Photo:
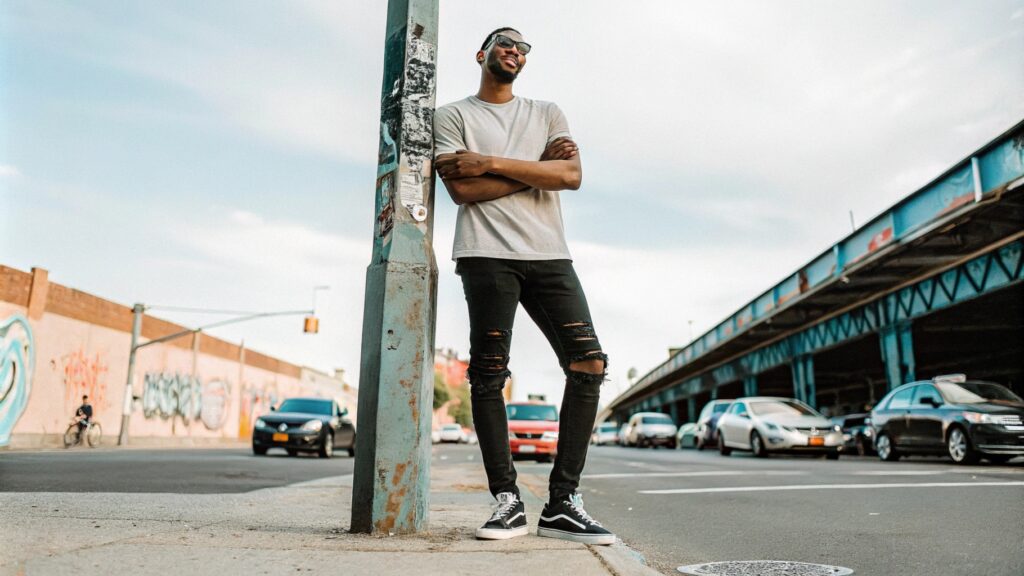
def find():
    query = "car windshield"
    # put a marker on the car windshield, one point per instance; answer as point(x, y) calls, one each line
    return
point(655, 420)
point(306, 406)
point(780, 408)
point(532, 412)
point(606, 427)
point(452, 427)
point(976, 392)
point(719, 408)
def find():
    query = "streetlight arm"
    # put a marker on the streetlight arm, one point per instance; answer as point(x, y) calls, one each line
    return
point(222, 323)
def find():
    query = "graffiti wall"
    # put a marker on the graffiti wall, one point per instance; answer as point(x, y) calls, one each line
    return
point(74, 344)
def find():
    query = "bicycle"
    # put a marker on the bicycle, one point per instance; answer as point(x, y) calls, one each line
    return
point(73, 435)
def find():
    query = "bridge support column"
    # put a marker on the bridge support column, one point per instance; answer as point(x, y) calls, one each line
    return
point(803, 380)
point(673, 411)
point(750, 386)
point(691, 409)
point(714, 393)
point(898, 353)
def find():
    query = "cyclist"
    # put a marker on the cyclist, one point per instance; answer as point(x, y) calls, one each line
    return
point(84, 416)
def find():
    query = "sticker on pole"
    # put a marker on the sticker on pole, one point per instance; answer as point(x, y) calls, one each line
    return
point(763, 568)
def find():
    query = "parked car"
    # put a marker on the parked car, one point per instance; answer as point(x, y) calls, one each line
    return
point(452, 433)
point(605, 433)
point(965, 419)
point(532, 430)
point(763, 424)
point(707, 423)
point(623, 433)
point(305, 425)
point(651, 429)
point(686, 437)
point(858, 437)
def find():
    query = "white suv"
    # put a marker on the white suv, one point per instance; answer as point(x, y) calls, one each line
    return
point(651, 429)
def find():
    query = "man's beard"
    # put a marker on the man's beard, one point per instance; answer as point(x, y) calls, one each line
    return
point(502, 75)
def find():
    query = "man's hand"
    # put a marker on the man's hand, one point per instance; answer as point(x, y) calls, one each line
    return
point(560, 149)
point(462, 164)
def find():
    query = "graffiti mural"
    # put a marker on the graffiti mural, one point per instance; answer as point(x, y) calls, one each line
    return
point(254, 403)
point(167, 395)
point(17, 361)
point(216, 397)
point(84, 375)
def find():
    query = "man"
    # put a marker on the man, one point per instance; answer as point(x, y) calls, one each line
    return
point(84, 415)
point(503, 160)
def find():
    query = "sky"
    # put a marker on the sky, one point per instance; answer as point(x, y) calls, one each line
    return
point(223, 154)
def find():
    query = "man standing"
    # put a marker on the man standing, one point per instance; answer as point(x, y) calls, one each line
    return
point(503, 160)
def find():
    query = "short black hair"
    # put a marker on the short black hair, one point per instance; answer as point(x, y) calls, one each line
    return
point(498, 31)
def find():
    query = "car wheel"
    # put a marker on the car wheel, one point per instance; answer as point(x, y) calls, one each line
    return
point(999, 458)
point(259, 450)
point(352, 448)
point(886, 451)
point(700, 444)
point(722, 448)
point(327, 446)
point(757, 445)
point(832, 455)
point(292, 451)
point(959, 447)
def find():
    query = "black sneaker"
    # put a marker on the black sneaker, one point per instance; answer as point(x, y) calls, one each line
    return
point(566, 519)
point(508, 520)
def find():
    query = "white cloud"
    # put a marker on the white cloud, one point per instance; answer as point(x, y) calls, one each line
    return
point(9, 171)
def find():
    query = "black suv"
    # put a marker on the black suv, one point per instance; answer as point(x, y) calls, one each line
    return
point(967, 420)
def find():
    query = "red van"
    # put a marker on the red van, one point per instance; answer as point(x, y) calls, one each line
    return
point(533, 430)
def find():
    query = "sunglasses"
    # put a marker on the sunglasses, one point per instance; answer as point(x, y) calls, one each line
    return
point(506, 42)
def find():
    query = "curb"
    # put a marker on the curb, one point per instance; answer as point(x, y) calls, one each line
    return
point(622, 560)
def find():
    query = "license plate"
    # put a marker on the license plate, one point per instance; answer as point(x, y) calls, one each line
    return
point(527, 448)
point(816, 441)
point(280, 437)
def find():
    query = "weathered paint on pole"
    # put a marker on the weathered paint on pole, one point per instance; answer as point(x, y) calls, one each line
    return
point(126, 412)
point(392, 470)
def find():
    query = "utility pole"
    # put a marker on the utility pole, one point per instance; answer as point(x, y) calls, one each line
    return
point(391, 481)
point(126, 412)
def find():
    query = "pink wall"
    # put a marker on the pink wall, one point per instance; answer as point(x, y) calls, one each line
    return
point(73, 357)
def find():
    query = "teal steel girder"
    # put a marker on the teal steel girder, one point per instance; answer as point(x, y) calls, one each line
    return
point(889, 314)
point(982, 177)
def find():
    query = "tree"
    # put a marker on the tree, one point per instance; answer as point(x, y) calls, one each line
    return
point(460, 409)
point(440, 391)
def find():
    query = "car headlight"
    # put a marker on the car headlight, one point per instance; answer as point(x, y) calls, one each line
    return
point(837, 428)
point(260, 423)
point(771, 426)
point(549, 436)
point(979, 418)
point(313, 426)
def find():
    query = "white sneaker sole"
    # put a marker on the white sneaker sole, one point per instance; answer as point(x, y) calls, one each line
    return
point(495, 534)
point(597, 539)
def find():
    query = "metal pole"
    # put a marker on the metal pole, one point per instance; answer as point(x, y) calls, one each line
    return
point(126, 412)
point(391, 481)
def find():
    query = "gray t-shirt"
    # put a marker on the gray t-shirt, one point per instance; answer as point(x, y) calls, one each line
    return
point(526, 225)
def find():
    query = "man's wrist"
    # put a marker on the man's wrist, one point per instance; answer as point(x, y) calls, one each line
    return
point(494, 165)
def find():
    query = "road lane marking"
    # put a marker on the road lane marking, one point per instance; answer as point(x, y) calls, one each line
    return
point(826, 487)
point(694, 474)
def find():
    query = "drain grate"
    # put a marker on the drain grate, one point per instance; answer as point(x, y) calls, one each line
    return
point(763, 568)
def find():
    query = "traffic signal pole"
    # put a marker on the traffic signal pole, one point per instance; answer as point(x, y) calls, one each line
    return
point(391, 482)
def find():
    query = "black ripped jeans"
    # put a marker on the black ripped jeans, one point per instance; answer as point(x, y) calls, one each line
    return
point(551, 293)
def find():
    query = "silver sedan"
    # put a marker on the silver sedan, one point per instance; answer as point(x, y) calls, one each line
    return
point(763, 424)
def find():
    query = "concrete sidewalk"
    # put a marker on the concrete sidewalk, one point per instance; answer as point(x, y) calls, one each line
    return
point(289, 530)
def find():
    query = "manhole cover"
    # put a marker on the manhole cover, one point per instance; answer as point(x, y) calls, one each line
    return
point(763, 568)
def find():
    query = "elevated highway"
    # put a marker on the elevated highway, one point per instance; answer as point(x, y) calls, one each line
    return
point(931, 285)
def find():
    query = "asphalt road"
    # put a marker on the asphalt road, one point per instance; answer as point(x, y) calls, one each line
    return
point(922, 516)
point(913, 517)
point(196, 471)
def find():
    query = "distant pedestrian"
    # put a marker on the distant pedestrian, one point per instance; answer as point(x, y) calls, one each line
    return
point(503, 160)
